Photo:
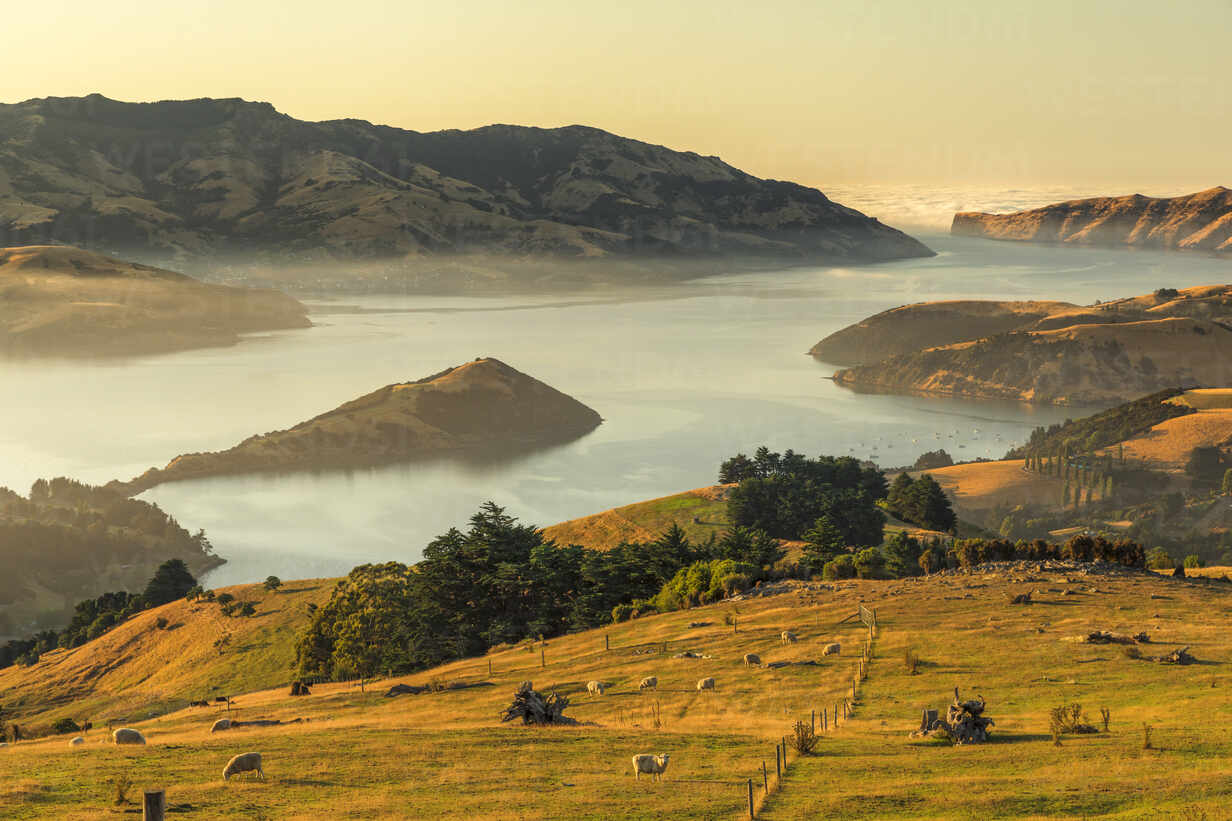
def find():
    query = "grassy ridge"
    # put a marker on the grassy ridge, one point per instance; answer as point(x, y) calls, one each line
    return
point(446, 754)
point(699, 513)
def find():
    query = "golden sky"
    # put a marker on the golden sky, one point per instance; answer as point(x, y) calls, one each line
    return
point(1118, 93)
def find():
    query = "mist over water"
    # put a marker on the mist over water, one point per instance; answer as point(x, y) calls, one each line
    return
point(683, 375)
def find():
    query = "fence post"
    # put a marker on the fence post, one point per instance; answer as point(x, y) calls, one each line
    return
point(154, 807)
point(778, 763)
point(814, 722)
point(489, 667)
point(543, 659)
point(765, 778)
point(750, 798)
point(607, 642)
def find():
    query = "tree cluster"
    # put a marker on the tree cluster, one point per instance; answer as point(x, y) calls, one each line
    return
point(921, 502)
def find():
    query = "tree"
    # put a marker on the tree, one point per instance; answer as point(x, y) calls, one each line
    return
point(1193, 561)
point(171, 581)
point(824, 541)
point(902, 555)
point(899, 490)
point(869, 563)
point(840, 567)
point(272, 583)
point(748, 545)
point(1225, 488)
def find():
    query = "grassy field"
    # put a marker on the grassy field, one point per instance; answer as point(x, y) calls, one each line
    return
point(699, 513)
point(446, 755)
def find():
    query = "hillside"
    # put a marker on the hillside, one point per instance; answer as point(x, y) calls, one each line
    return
point(1200, 222)
point(235, 182)
point(926, 325)
point(138, 670)
point(447, 754)
point(64, 301)
point(67, 541)
point(699, 513)
point(484, 403)
point(1058, 354)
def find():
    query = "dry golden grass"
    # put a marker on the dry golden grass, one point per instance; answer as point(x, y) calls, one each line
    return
point(445, 755)
point(699, 513)
point(1205, 398)
point(981, 486)
point(137, 669)
point(1168, 445)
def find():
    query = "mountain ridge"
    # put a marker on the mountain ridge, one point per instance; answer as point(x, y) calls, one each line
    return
point(210, 179)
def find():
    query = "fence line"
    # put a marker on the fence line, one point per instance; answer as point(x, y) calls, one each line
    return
point(845, 707)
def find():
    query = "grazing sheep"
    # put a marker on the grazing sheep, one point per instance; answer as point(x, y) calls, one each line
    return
point(788, 637)
point(220, 725)
point(77, 742)
point(595, 688)
point(649, 683)
point(125, 735)
point(752, 660)
point(243, 763)
point(705, 684)
point(652, 765)
point(831, 649)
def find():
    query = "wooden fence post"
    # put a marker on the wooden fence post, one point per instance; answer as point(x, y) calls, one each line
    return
point(543, 659)
point(489, 668)
point(154, 807)
point(814, 722)
point(778, 763)
point(607, 642)
point(750, 798)
point(765, 778)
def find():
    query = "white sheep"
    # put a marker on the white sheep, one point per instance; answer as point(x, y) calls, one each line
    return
point(220, 725)
point(705, 684)
point(649, 683)
point(126, 735)
point(652, 765)
point(752, 660)
point(595, 688)
point(77, 742)
point(832, 649)
point(243, 763)
point(788, 637)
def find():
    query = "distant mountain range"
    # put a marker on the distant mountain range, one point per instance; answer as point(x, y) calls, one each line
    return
point(196, 181)
point(1200, 222)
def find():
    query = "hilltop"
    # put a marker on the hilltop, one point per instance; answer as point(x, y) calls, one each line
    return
point(237, 182)
point(1042, 352)
point(1201, 222)
point(484, 403)
point(447, 754)
point(64, 301)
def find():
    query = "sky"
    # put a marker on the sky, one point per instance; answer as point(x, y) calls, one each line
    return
point(1124, 95)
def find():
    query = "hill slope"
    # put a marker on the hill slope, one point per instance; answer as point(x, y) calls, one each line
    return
point(237, 177)
point(1201, 221)
point(699, 513)
point(1057, 353)
point(484, 403)
point(63, 301)
point(447, 754)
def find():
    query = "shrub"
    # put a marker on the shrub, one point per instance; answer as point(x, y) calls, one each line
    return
point(161, 623)
point(1158, 559)
point(272, 583)
point(1069, 720)
point(224, 598)
point(803, 739)
point(869, 563)
point(840, 567)
point(121, 784)
point(622, 612)
point(1106, 716)
point(248, 609)
point(65, 725)
point(1192, 561)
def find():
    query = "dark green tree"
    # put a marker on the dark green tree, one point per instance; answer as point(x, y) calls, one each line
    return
point(171, 581)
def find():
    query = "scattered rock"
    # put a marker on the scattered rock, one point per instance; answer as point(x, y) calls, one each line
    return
point(964, 722)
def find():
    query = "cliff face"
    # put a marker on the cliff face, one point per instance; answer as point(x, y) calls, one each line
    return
point(63, 301)
point(1201, 221)
point(199, 179)
point(1099, 354)
point(483, 403)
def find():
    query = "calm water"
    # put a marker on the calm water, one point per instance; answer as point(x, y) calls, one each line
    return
point(682, 375)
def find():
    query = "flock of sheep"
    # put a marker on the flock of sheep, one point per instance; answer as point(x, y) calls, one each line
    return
point(655, 765)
